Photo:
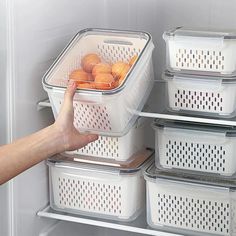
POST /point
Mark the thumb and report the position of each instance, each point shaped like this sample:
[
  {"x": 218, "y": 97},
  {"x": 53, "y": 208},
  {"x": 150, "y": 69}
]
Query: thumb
[{"x": 70, "y": 92}]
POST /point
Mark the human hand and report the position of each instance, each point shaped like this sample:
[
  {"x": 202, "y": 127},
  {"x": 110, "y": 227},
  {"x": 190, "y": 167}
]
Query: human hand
[{"x": 72, "y": 138}]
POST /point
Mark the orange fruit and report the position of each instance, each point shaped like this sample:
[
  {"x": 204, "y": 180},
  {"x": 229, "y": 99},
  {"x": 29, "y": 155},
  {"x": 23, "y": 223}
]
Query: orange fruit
[
  {"x": 89, "y": 61},
  {"x": 86, "y": 85},
  {"x": 90, "y": 77},
  {"x": 79, "y": 75},
  {"x": 101, "y": 68},
  {"x": 133, "y": 59},
  {"x": 104, "y": 81},
  {"x": 119, "y": 69}
]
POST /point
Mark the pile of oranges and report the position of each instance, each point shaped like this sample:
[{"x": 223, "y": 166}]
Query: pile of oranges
[{"x": 95, "y": 74}]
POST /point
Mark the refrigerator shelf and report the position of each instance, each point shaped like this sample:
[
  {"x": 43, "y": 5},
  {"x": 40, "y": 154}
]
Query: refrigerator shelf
[
  {"x": 167, "y": 115},
  {"x": 43, "y": 104},
  {"x": 138, "y": 226},
  {"x": 178, "y": 117}
]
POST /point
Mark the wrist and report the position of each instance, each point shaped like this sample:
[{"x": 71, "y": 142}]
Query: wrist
[{"x": 57, "y": 139}]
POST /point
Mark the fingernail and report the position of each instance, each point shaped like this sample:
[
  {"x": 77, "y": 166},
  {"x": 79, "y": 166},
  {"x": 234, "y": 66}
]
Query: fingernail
[{"x": 72, "y": 84}]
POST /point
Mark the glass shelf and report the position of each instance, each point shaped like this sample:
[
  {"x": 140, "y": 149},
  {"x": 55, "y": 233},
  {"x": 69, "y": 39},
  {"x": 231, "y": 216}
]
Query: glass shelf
[
  {"x": 156, "y": 112},
  {"x": 179, "y": 117},
  {"x": 137, "y": 226}
]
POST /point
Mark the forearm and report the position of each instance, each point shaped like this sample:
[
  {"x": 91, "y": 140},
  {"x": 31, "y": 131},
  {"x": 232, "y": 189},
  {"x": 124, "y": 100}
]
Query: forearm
[
  {"x": 28, "y": 151},
  {"x": 61, "y": 136}
]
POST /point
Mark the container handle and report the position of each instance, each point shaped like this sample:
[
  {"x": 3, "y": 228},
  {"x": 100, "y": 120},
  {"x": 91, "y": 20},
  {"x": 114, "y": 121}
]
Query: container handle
[
  {"x": 89, "y": 98},
  {"x": 115, "y": 41}
]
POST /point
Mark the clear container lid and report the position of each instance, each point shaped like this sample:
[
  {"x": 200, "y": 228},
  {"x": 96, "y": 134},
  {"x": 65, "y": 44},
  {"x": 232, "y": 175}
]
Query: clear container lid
[
  {"x": 229, "y": 131},
  {"x": 88, "y": 81},
  {"x": 152, "y": 173},
  {"x": 138, "y": 161},
  {"x": 201, "y": 32},
  {"x": 167, "y": 75}
]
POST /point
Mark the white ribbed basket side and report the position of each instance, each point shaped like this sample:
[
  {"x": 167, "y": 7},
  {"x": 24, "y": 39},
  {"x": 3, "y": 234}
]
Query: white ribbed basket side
[
  {"x": 98, "y": 194},
  {"x": 211, "y": 97},
  {"x": 189, "y": 208},
  {"x": 200, "y": 55},
  {"x": 207, "y": 152},
  {"x": 117, "y": 148}
]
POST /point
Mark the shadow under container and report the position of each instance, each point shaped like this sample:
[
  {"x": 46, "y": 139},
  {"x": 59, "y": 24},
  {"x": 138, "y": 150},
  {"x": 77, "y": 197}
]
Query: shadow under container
[
  {"x": 201, "y": 95},
  {"x": 191, "y": 147},
  {"x": 201, "y": 51},
  {"x": 97, "y": 190},
  {"x": 190, "y": 205},
  {"x": 105, "y": 112}
]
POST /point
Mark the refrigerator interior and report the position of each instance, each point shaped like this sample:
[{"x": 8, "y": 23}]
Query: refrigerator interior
[{"x": 34, "y": 33}]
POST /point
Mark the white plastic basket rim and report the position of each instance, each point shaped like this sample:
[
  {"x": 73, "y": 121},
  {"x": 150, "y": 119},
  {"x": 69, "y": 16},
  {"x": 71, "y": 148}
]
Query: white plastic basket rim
[
  {"x": 99, "y": 168},
  {"x": 229, "y": 131},
  {"x": 168, "y": 75},
  {"x": 201, "y": 32},
  {"x": 154, "y": 174},
  {"x": 76, "y": 38}
]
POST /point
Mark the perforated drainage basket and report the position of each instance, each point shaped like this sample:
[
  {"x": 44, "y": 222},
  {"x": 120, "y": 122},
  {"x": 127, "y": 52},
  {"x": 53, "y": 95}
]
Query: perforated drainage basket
[
  {"x": 194, "y": 147},
  {"x": 116, "y": 148},
  {"x": 201, "y": 95},
  {"x": 97, "y": 191},
  {"x": 189, "y": 208},
  {"x": 111, "y": 112},
  {"x": 201, "y": 51}
]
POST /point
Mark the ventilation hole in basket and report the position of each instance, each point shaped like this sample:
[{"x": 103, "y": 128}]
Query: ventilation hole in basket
[
  {"x": 195, "y": 59},
  {"x": 194, "y": 156},
  {"x": 193, "y": 213},
  {"x": 88, "y": 195},
  {"x": 116, "y": 52},
  {"x": 86, "y": 117},
  {"x": 200, "y": 101}
]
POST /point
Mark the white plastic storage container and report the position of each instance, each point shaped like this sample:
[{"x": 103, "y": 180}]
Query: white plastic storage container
[
  {"x": 201, "y": 50},
  {"x": 201, "y": 95},
  {"x": 97, "y": 190},
  {"x": 106, "y": 112},
  {"x": 116, "y": 148},
  {"x": 193, "y": 147},
  {"x": 186, "y": 206}
]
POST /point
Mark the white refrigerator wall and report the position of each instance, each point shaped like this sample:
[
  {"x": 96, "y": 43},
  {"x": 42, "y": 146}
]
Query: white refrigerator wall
[
  {"x": 3, "y": 114},
  {"x": 38, "y": 31},
  {"x": 3, "y": 60}
]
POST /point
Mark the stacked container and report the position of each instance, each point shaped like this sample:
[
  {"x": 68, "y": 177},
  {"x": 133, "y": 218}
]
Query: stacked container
[
  {"x": 190, "y": 205},
  {"x": 107, "y": 109},
  {"x": 201, "y": 69},
  {"x": 98, "y": 190},
  {"x": 191, "y": 187},
  {"x": 188, "y": 147},
  {"x": 110, "y": 112}
]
